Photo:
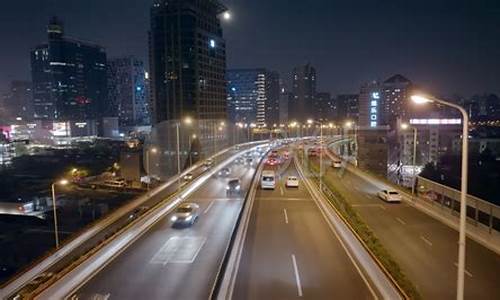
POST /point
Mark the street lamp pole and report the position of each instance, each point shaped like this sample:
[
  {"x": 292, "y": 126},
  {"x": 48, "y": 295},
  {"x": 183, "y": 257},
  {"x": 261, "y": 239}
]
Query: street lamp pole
[
  {"x": 405, "y": 126},
  {"x": 56, "y": 229},
  {"x": 463, "y": 191}
]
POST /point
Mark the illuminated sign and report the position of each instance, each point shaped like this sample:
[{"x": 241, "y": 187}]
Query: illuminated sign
[
  {"x": 60, "y": 129},
  {"x": 436, "y": 121},
  {"x": 374, "y": 108}
]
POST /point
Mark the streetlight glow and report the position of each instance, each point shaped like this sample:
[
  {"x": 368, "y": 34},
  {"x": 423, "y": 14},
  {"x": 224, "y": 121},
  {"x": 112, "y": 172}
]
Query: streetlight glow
[
  {"x": 310, "y": 121},
  {"x": 188, "y": 120},
  {"x": 404, "y": 126},
  {"x": 226, "y": 15},
  {"x": 63, "y": 181},
  {"x": 418, "y": 99}
]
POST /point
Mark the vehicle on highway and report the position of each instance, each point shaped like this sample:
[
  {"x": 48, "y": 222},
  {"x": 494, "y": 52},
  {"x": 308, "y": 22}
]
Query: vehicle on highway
[
  {"x": 224, "y": 172},
  {"x": 390, "y": 195},
  {"x": 137, "y": 212},
  {"x": 336, "y": 163},
  {"x": 271, "y": 161},
  {"x": 188, "y": 177},
  {"x": 208, "y": 164},
  {"x": 233, "y": 187},
  {"x": 249, "y": 161},
  {"x": 268, "y": 180},
  {"x": 185, "y": 214},
  {"x": 115, "y": 183},
  {"x": 312, "y": 152},
  {"x": 239, "y": 161},
  {"x": 292, "y": 181}
]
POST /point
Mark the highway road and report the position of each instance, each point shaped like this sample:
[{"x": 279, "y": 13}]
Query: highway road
[
  {"x": 168, "y": 263},
  {"x": 290, "y": 251},
  {"x": 425, "y": 248}
]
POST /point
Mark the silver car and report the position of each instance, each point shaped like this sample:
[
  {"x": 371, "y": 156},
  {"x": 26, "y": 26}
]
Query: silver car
[
  {"x": 224, "y": 172},
  {"x": 185, "y": 214}
]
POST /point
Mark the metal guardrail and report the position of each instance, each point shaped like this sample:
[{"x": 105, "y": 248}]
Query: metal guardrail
[
  {"x": 228, "y": 270},
  {"x": 48, "y": 261},
  {"x": 479, "y": 211}
]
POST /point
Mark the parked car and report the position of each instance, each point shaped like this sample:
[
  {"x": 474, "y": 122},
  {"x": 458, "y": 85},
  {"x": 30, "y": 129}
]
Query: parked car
[
  {"x": 336, "y": 163},
  {"x": 390, "y": 195},
  {"x": 188, "y": 177}
]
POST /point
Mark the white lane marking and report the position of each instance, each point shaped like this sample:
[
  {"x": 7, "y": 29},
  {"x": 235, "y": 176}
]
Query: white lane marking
[
  {"x": 282, "y": 199},
  {"x": 426, "y": 241},
  {"x": 286, "y": 215},
  {"x": 466, "y": 272},
  {"x": 209, "y": 206},
  {"x": 401, "y": 221},
  {"x": 281, "y": 191},
  {"x": 179, "y": 250},
  {"x": 297, "y": 276}
]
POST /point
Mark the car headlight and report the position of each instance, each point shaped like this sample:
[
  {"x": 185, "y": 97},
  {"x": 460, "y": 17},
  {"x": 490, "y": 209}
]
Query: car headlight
[
  {"x": 189, "y": 218},
  {"x": 227, "y": 188},
  {"x": 238, "y": 188},
  {"x": 174, "y": 218}
]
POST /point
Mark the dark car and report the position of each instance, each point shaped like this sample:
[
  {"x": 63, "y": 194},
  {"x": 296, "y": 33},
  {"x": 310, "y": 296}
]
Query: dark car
[{"x": 233, "y": 187}]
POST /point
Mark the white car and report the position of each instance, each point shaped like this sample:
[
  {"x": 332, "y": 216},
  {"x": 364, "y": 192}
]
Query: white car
[
  {"x": 292, "y": 181},
  {"x": 188, "y": 177},
  {"x": 337, "y": 163},
  {"x": 390, "y": 196},
  {"x": 185, "y": 214}
]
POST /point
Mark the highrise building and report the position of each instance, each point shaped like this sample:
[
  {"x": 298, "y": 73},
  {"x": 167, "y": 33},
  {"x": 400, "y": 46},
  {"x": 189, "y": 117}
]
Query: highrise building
[
  {"x": 371, "y": 105},
  {"x": 346, "y": 107},
  {"x": 187, "y": 60},
  {"x": 17, "y": 103},
  {"x": 127, "y": 91},
  {"x": 187, "y": 56},
  {"x": 321, "y": 108},
  {"x": 304, "y": 92},
  {"x": 253, "y": 96},
  {"x": 69, "y": 78},
  {"x": 396, "y": 92}
]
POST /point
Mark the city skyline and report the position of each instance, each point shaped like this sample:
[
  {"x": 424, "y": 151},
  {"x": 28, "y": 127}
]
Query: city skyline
[{"x": 344, "y": 49}]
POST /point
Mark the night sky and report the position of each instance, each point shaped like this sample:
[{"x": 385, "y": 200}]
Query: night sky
[{"x": 448, "y": 47}]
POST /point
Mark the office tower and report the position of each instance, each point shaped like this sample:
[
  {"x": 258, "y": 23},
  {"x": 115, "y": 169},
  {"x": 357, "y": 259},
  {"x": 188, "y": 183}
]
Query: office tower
[
  {"x": 346, "y": 107},
  {"x": 396, "y": 92},
  {"x": 127, "y": 91},
  {"x": 69, "y": 78},
  {"x": 253, "y": 96},
  {"x": 304, "y": 92},
  {"x": 321, "y": 107},
  {"x": 17, "y": 103},
  {"x": 187, "y": 60},
  {"x": 187, "y": 56}
]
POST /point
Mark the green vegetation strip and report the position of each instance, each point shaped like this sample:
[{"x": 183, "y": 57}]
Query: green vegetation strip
[{"x": 367, "y": 235}]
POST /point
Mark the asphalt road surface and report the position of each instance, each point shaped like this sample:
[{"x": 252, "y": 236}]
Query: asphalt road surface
[
  {"x": 168, "y": 263},
  {"x": 425, "y": 248},
  {"x": 290, "y": 252}
]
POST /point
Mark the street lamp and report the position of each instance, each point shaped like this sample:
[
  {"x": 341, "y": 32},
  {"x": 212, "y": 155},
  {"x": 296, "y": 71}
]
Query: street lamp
[
  {"x": 405, "y": 126},
  {"x": 187, "y": 121},
  {"x": 421, "y": 99},
  {"x": 56, "y": 233},
  {"x": 226, "y": 15},
  {"x": 152, "y": 150},
  {"x": 191, "y": 138}
]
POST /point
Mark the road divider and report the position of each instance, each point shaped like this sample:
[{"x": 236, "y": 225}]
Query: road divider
[{"x": 228, "y": 271}]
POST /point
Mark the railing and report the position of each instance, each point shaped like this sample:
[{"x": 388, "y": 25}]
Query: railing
[{"x": 479, "y": 211}]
